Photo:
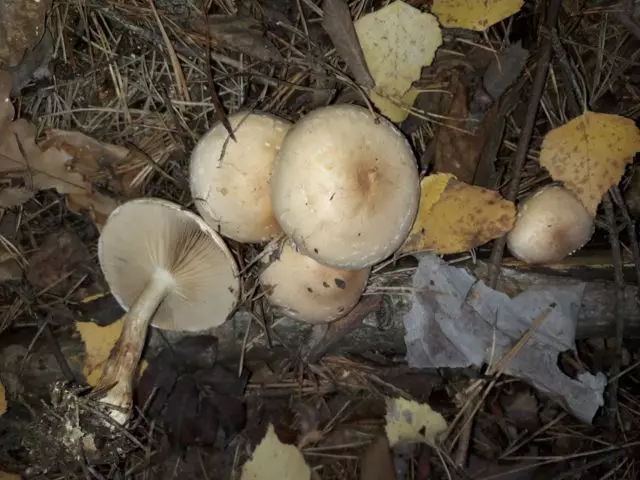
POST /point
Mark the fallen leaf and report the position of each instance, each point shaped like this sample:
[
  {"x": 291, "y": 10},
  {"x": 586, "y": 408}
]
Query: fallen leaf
[
  {"x": 6, "y": 107},
  {"x": 14, "y": 196},
  {"x": 376, "y": 462},
  {"x": 476, "y": 15},
  {"x": 454, "y": 217},
  {"x": 22, "y": 24},
  {"x": 242, "y": 34},
  {"x": 3, "y": 400},
  {"x": 9, "y": 476},
  {"x": 412, "y": 422},
  {"x": 589, "y": 154},
  {"x": 273, "y": 459},
  {"x": 336, "y": 20},
  {"x": 458, "y": 150},
  {"x": 98, "y": 342},
  {"x": 34, "y": 65},
  {"x": 504, "y": 70},
  {"x": 397, "y": 41},
  {"x": 59, "y": 255}
]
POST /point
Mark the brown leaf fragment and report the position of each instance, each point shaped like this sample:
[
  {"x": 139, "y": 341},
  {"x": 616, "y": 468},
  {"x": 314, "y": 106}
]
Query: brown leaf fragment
[
  {"x": 376, "y": 462},
  {"x": 21, "y": 28},
  {"x": 242, "y": 34},
  {"x": 15, "y": 196},
  {"x": 458, "y": 149},
  {"x": 336, "y": 20}
]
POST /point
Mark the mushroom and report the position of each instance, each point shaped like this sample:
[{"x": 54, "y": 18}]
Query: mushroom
[
  {"x": 167, "y": 267},
  {"x": 550, "y": 225},
  {"x": 230, "y": 180},
  {"x": 345, "y": 186},
  {"x": 309, "y": 291}
]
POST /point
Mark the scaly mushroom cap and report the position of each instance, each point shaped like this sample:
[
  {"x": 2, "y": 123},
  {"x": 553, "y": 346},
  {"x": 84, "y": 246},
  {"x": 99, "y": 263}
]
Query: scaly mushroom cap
[
  {"x": 147, "y": 237},
  {"x": 309, "y": 291},
  {"x": 230, "y": 181},
  {"x": 550, "y": 225},
  {"x": 345, "y": 187}
]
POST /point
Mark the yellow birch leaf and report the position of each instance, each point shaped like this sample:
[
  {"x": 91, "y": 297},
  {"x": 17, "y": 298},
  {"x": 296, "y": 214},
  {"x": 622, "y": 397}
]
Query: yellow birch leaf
[
  {"x": 411, "y": 422},
  {"x": 98, "y": 342},
  {"x": 3, "y": 400},
  {"x": 273, "y": 459},
  {"x": 474, "y": 14},
  {"x": 397, "y": 41},
  {"x": 454, "y": 217},
  {"x": 589, "y": 154}
]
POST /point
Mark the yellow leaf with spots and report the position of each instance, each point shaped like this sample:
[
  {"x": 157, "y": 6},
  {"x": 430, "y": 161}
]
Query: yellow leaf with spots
[
  {"x": 454, "y": 217},
  {"x": 589, "y": 154},
  {"x": 474, "y": 14},
  {"x": 397, "y": 41},
  {"x": 98, "y": 341},
  {"x": 273, "y": 459},
  {"x": 412, "y": 422}
]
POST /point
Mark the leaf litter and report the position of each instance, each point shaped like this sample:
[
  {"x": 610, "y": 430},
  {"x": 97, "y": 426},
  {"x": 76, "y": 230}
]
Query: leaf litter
[{"x": 134, "y": 108}]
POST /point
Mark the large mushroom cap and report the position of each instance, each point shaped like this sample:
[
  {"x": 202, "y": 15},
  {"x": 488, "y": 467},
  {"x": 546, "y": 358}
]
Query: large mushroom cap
[
  {"x": 550, "y": 225},
  {"x": 345, "y": 186},
  {"x": 309, "y": 291},
  {"x": 230, "y": 181},
  {"x": 145, "y": 236}
]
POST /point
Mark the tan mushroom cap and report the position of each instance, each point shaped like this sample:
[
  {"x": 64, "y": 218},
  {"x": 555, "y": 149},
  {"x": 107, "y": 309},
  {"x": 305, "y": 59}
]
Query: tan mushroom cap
[
  {"x": 345, "y": 186},
  {"x": 230, "y": 181},
  {"x": 550, "y": 225},
  {"x": 148, "y": 236},
  {"x": 309, "y": 291}
]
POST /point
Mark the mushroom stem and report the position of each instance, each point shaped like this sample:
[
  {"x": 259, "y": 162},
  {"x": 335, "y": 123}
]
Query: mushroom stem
[{"x": 119, "y": 369}]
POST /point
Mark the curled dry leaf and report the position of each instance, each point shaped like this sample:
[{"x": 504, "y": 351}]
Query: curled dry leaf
[
  {"x": 273, "y": 459},
  {"x": 412, "y": 422},
  {"x": 589, "y": 154},
  {"x": 474, "y": 14},
  {"x": 21, "y": 28},
  {"x": 336, "y": 20},
  {"x": 397, "y": 41},
  {"x": 14, "y": 196},
  {"x": 454, "y": 217},
  {"x": 242, "y": 34}
]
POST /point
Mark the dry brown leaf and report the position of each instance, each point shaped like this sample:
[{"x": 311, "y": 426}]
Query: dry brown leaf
[
  {"x": 242, "y": 34},
  {"x": 589, "y": 154},
  {"x": 14, "y": 196},
  {"x": 6, "y": 107},
  {"x": 336, "y": 20},
  {"x": 21, "y": 28},
  {"x": 9, "y": 476},
  {"x": 3, "y": 400},
  {"x": 474, "y": 14},
  {"x": 376, "y": 462},
  {"x": 454, "y": 217},
  {"x": 458, "y": 150}
]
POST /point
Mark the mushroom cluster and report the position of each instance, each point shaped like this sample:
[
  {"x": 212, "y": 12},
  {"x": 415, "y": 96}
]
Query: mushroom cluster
[{"x": 340, "y": 187}]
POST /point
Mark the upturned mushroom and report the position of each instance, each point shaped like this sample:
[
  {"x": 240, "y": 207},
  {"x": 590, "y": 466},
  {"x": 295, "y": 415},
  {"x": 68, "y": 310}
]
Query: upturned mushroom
[
  {"x": 345, "y": 186},
  {"x": 550, "y": 225},
  {"x": 308, "y": 291},
  {"x": 230, "y": 180},
  {"x": 167, "y": 267}
]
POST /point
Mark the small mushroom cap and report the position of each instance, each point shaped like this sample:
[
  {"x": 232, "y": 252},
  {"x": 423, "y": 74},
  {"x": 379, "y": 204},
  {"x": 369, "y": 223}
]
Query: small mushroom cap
[
  {"x": 345, "y": 186},
  {"x": 550, "y": 225},
  {"x": 147, "y": 234},
  {"x": 230, "y": 181},
  {"x": 309, "y": 291}
]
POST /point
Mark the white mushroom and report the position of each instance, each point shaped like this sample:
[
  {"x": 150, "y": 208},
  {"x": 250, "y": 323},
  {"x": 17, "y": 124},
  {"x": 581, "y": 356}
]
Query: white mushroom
[
  {"x": 345, "y": 186},
  {"x": 230, "y": 180},
  {"x": 550, "y": 225},
  {"x": 309, "y": 291},
  {"x": 166, "y": 267}
]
